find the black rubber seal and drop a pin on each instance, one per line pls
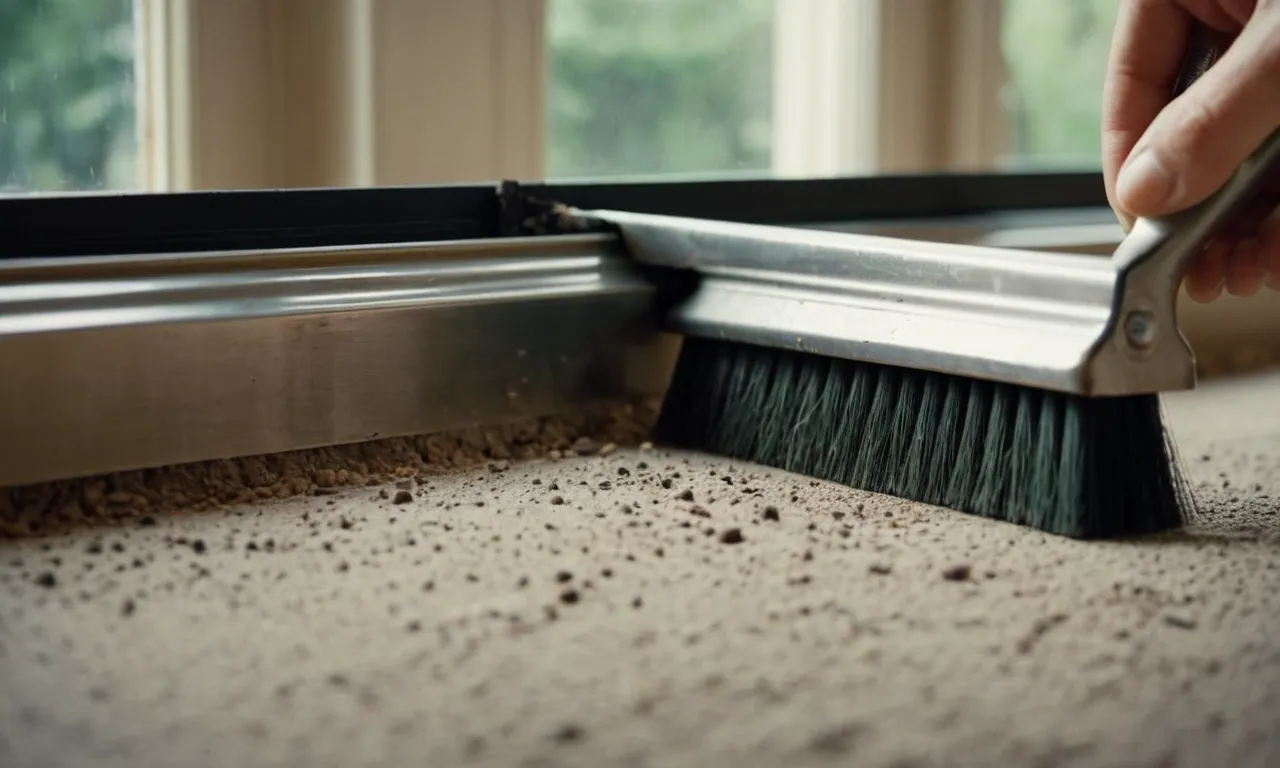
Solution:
(88, 225)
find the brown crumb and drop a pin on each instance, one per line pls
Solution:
(731, 536)
(958, 572)
(568, 733)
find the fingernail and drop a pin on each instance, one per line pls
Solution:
(1145, 184)
(1126, 221)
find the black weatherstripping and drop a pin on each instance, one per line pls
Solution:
(93, 225)
(87, 225)
(813, 201)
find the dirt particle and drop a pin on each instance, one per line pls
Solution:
(686, 495)
(637, 602)
(731, 536)
(147, 521)
(402, 497)
(1179, 621)
(881, 569)
(667, 482)
(957, 572)
(1038, 630)
(568, 734)
(128, 607)
(414, 626)
(557, 499)
(771, 514)
(697, 511)
(47, 580)
(563, 577)
(839, 740)
(584, 445)
(605, 485)
(198, 546)
(570, 596)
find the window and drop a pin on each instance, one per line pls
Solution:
(1056, 55)
(287, 93)
(659, 87)
(68, 101)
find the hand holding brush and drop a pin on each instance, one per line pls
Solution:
(1165, 149)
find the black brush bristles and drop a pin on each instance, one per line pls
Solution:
(1068, 465)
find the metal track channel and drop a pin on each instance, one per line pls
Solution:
(116, 363)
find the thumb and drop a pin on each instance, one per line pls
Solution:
(1201, 137)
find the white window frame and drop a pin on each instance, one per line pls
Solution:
(276, 93)
(887, 86)
(287, 93)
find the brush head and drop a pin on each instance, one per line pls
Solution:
(1062, 463)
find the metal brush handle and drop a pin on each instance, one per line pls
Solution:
(1153, 259)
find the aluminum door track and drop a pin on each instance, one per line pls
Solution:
(139, 361)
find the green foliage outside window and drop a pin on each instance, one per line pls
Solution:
(68, 107)
(639, 87)
(1056, 55)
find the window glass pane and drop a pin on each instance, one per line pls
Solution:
(68, 106)
(1056, 56)
(643, 87)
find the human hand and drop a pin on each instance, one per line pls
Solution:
(1162, 156)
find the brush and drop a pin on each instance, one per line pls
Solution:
(1019, 386)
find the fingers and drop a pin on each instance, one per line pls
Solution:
(1196, 143)
(1269, 250)
(1208, 274)
(1244, 270)
(1146, 53)
(1237, 267)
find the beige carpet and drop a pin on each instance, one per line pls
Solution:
(656, 609)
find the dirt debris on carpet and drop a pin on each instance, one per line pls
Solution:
(47, 507)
